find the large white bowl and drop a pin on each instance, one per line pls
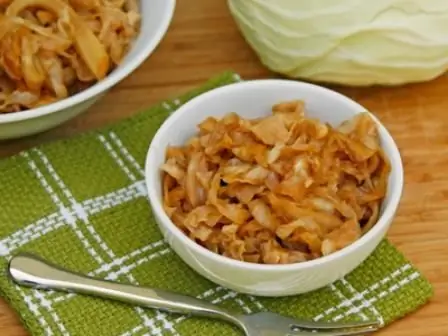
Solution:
(156, 17)
(254, 99)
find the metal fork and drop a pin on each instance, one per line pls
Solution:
(32, 271)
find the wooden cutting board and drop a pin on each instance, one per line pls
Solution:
(203, 41)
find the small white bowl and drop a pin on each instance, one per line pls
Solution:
(156, 17)
(253, 99)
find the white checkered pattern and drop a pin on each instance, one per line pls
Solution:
(75, 215)
(343, 298)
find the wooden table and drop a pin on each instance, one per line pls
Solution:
(204, 41)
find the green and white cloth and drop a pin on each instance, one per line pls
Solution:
(81, 203)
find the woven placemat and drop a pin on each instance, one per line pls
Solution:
(81, 203)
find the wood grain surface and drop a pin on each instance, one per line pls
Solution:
(202, 42)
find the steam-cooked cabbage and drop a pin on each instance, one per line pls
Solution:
(353, 42)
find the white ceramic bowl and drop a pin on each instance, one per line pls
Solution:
(156, 17)
(254, 99)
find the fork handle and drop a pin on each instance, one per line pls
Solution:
(31, 271)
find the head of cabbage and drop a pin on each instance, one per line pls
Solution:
(350, 42)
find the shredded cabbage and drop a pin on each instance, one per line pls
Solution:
(254, 195)
(50, 49)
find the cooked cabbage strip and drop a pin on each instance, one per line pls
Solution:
(31, 67)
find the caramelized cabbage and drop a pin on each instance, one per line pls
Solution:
(50, 49)
(279, 189)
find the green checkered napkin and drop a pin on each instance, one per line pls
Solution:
(81, 203)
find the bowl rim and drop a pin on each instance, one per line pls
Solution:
(100, 87)
(383, 221)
